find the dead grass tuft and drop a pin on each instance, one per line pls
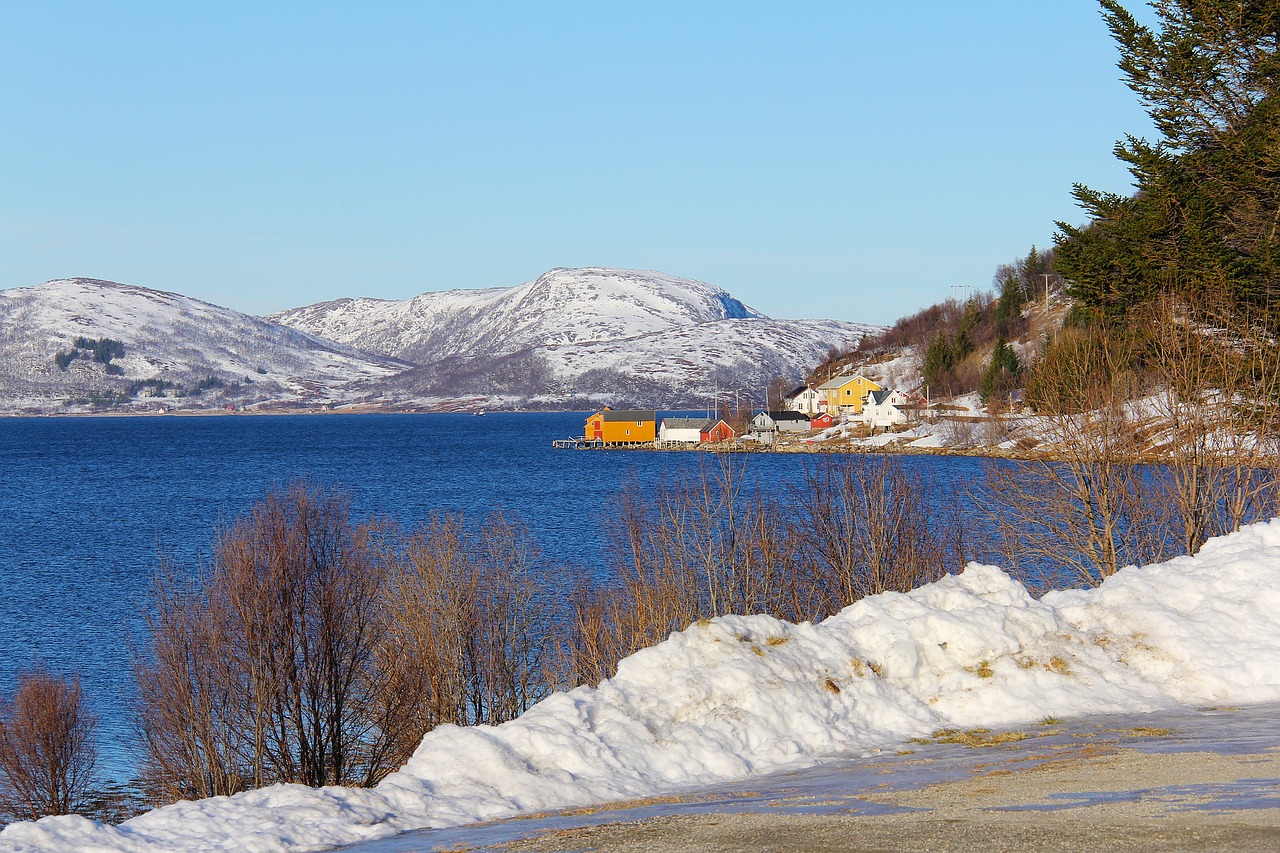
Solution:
(983, 669)
(972, 737)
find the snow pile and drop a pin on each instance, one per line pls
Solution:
(742, 695)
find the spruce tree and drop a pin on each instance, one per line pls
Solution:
(1208, 188)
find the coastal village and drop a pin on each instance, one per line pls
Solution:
(849, 399)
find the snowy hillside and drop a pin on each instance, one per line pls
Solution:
(742, 695)
(601, 334)
(172, 342)
(559, 307)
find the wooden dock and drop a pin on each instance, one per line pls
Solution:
(577, 444)
(596, 444)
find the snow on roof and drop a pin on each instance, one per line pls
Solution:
(741, 695)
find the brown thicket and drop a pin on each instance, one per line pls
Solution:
(1216, 386)
(864, 526)
(469, 616)
(1195, 390)
(691, 549)
(1085, 511)
(317, 651)
(708, 545)
(47, 757)
(263, 668)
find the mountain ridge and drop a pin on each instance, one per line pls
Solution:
(588, 335)
(568, 339)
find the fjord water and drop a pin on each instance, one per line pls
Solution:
(89, 505)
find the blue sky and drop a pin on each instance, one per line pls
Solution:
(851, 160)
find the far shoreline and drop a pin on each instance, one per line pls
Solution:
(839, 446)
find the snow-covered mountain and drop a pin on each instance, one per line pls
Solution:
(560, 307)
(175, 348)
(571, 338)
(595, 334)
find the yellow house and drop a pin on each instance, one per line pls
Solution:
(846, 394)
(622, 426)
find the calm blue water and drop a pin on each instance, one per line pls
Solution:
(88, 504)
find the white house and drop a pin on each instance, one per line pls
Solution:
(886, 408)
(681, 430)
(808, 401)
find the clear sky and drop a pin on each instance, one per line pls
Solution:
(851, 160)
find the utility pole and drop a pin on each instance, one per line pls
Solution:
(1045, 276)
(955, 288)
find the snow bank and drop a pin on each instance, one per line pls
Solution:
(747, 694)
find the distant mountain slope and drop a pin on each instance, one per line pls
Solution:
(560, 307)
(594, 333)
(166, 338)
(569, 339)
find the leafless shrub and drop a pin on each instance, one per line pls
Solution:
(263, 668)
(707, 546)
(864, 526)
(470, 622)
(1088, 509)
(960, 431)
(47, 758)
(1216, 385)
(697, 548)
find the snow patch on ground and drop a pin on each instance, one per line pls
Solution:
(743, 695)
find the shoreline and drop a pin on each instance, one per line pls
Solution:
(840, 446)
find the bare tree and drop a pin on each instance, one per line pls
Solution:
(865, 527)
(700, 547)
(47, 758)
(263, 669)
(1084, 507)
(470, 615)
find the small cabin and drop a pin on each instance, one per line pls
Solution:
(781, 421)
(823, 421)
(681, 430)
(716, 431)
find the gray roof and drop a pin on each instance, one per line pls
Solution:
(837, 381)
(684, 423)
(629, 415)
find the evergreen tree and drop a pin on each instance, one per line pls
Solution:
(1002, 371)
(1207, 190)
(1009, 305)
(937, 360)
(962, 345)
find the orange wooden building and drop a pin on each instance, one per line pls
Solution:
(622, 426)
